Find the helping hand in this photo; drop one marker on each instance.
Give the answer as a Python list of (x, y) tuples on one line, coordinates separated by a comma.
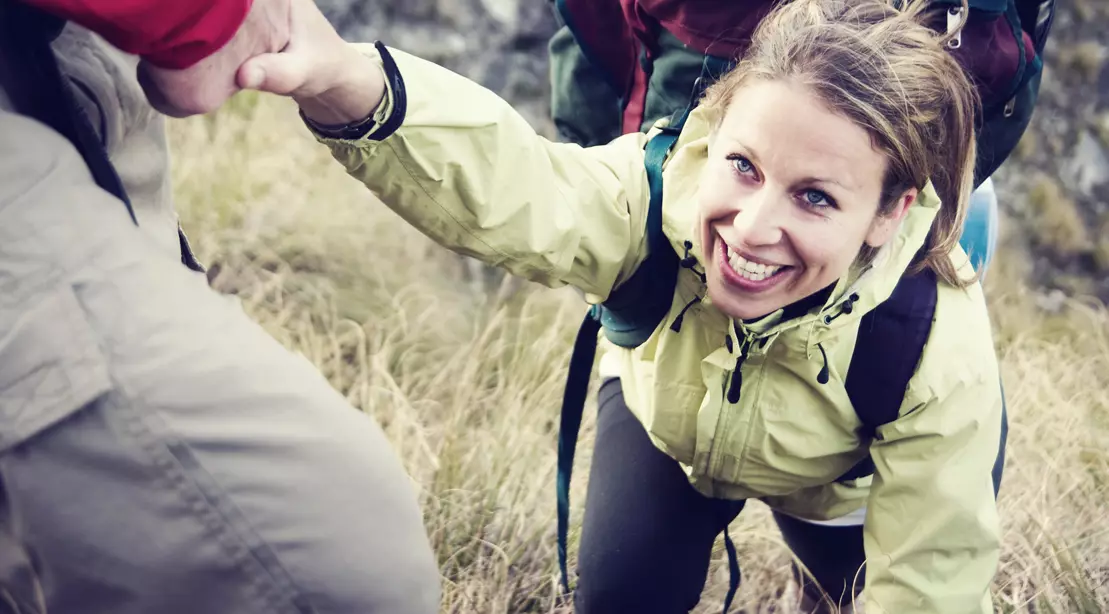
[(205, 86), (331, 81)]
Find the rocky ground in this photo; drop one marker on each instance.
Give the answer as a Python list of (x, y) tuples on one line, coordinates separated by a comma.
[(1054, 189)]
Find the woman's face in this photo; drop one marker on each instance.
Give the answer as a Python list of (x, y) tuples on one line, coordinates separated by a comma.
[(788, 197)]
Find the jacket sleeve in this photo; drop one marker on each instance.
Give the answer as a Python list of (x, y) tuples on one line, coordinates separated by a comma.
[(932, 535), (470, 173), (171, 34)]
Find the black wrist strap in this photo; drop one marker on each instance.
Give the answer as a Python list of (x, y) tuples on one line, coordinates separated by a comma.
[(359, 129)]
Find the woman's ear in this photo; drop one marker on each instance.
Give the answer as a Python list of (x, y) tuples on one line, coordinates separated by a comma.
[(884, 227)]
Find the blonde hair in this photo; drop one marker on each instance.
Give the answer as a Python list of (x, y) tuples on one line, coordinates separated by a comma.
[(885, 69)]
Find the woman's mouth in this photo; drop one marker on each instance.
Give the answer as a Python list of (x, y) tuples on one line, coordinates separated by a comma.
[(746, 274)]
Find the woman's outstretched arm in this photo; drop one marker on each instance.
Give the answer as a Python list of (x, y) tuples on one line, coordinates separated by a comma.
[(458, 163)]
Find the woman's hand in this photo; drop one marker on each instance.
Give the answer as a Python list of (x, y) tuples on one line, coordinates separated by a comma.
[(332, 82)]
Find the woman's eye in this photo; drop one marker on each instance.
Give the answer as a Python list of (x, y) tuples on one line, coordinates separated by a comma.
[(742, 165), (816, 198)]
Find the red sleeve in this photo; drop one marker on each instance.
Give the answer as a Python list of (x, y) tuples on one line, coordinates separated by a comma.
[(168, 33)]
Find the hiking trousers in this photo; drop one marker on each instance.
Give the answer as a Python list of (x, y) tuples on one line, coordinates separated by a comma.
[(647, 535), (160, 452)]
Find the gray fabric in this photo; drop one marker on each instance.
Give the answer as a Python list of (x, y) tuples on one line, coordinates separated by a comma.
[(670, 85), (584, 108), (133, 132), (587, 111), (159, 452)]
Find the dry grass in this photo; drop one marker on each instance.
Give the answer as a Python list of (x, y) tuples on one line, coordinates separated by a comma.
[(1056, 223), (1088, 10), (1101, 127), (1101, 254), (1083, 60), (468, 388), (1028, 145)]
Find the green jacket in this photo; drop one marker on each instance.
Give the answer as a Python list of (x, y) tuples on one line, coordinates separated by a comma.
[(470, 173)]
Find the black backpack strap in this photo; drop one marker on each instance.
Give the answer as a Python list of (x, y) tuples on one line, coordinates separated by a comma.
[(33, 80), (888, 348)]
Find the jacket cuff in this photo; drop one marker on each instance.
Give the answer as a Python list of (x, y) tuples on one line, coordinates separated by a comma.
[(385, 120)]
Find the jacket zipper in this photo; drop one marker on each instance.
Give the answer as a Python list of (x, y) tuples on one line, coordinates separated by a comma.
[(733, 386), (731, 397)]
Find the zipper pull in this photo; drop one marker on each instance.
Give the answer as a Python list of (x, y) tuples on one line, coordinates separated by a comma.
[(954, 19), (825, 373), (736, 381)]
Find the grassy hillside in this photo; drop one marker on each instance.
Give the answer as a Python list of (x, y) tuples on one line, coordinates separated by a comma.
[(467, 384)]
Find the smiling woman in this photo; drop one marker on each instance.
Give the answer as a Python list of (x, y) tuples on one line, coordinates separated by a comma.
[(851, 134), (830, 146), (789, 196), (831, 165)]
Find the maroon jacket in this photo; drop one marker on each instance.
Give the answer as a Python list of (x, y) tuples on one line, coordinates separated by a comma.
[(168, 33)]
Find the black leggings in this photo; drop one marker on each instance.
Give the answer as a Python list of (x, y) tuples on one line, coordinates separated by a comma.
[(647, 535)]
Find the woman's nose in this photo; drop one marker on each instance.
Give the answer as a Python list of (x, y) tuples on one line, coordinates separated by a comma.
[(759, 220)]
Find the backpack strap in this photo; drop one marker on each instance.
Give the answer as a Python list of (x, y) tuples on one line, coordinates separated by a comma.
[(33, 80), (1036, 18), (633, 311), (629, 317), (888, 348)]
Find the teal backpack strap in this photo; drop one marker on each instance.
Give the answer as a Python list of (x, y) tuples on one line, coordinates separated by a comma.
[(629, 317), (573, 404)]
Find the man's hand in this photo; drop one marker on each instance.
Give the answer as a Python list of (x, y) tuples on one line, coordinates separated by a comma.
[(205, 86), (331, 81)]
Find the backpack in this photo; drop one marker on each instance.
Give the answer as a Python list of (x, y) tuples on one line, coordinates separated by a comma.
[(876, 380), (625, 48), (32, 79)]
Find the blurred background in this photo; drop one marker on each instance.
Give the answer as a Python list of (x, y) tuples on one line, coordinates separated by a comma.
[(464, 367)]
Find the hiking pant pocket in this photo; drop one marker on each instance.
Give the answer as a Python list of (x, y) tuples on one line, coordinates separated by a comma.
[(50, 368)]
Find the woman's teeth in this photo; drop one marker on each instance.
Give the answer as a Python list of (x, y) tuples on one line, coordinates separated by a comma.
[(750, 270)]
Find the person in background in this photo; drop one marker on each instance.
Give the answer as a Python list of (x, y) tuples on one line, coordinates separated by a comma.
[(618, 66)]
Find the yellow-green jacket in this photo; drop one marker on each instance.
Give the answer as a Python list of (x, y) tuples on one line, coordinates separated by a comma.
[(469, 172)]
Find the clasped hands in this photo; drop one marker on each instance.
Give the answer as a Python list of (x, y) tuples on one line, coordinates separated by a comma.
[(284, 47)]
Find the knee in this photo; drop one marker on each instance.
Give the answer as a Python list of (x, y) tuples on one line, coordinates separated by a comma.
[(412, 586), (418, 578), (400, 579)]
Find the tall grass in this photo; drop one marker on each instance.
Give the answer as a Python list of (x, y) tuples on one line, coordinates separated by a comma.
[(467, 385)]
